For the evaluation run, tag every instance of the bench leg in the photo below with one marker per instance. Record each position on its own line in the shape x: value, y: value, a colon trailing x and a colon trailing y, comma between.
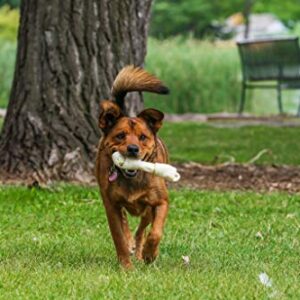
x: 279, y: 99
x: 242, y: 101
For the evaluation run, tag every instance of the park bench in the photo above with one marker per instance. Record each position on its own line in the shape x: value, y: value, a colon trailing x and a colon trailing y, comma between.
x: 270, y: 63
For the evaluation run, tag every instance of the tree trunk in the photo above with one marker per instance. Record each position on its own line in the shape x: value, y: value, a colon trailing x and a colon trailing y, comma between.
x: 248, y: 4
x: 68, y: 55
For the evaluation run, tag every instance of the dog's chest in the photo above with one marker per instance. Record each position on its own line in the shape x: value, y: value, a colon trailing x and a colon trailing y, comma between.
x: 129, y: 194
x: 135, y: 201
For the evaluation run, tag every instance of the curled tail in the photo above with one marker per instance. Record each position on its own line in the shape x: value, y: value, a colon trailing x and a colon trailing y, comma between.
x: 132, y: 79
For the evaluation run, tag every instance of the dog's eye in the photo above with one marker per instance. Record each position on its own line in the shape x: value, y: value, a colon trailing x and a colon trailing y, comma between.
x: 120, y: 136
x: 142, y: 137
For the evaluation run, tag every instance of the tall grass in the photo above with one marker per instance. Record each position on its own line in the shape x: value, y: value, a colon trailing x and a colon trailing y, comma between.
x: 202, y: 76
x: 7, y: 62
x: 205, y: 77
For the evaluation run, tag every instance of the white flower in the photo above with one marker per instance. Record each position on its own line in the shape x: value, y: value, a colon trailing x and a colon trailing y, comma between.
x: 265, y: 280
x: 259, y: 235
x: 186, y: 259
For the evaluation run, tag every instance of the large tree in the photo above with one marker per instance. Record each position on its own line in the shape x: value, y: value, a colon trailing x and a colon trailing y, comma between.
x: 68, y: 55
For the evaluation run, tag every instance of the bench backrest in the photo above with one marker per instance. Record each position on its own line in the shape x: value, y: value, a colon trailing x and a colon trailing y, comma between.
x: 270, y: 59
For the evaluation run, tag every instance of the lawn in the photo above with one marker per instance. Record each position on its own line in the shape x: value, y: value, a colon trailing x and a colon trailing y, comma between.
x: 55, y: 244
x: 203, y: 143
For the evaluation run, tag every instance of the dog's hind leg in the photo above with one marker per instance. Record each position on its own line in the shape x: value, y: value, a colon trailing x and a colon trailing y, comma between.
x: 150, y: 250
x: 140, y: 233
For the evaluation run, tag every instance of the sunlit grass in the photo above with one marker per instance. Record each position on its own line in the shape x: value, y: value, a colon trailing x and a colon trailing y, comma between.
x: 203, y: 143
x: 56, y: 244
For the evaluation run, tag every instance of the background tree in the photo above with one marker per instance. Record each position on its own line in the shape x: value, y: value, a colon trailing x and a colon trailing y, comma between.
x: 68, y: 55
x: 174, y: 17
x: 246, y: 13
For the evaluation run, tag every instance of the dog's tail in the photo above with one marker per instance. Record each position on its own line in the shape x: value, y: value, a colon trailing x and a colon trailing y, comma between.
x: 132, y: 79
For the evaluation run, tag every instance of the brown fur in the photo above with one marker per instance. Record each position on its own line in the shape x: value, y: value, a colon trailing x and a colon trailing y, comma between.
x: 144, y: 195
x: 132, y: 79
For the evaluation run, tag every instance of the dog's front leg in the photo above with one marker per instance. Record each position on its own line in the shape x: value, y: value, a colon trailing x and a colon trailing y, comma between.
x: 114, y: 216
x: 127, y: 233
x: 139, y: 235
x: 150, y: 250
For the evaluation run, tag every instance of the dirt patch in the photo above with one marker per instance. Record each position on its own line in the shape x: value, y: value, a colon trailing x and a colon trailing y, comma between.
x: 239, y: 177
x: 219, y: 177
x: 235, y: 120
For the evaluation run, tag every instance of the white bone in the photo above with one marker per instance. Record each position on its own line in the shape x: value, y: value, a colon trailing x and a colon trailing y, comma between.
x: 163, y: 170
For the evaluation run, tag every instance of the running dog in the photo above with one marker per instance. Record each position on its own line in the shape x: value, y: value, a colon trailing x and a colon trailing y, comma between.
x: 139, y: 193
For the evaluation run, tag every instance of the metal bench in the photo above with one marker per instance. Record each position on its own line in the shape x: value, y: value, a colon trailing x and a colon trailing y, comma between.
x: 264, y: 60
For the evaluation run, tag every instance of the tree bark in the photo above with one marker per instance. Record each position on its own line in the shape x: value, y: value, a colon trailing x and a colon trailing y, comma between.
x: 68, y: 55
x: 248, y: 4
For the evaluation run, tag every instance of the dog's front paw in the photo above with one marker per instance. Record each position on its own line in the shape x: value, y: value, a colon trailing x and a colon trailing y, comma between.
x: 150, y: 257
x: 150, y: 251
x: 125, y: 263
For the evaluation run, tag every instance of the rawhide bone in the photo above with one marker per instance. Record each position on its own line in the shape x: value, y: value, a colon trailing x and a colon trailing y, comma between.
x: 163, y: 170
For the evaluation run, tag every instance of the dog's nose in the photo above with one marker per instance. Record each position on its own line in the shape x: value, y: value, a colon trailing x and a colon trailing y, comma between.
x: 133, y: 149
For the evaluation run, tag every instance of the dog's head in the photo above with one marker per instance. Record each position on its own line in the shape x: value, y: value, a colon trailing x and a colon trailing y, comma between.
x: 132, y: 137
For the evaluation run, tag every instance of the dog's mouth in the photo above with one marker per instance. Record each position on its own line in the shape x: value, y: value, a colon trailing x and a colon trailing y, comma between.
x: 129, y: 173
x: 115, y: 172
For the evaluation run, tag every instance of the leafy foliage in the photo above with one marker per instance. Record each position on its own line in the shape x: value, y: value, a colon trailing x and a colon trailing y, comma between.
x: 11, y: 3
x: 9, y: 23
x: 174, y: 17
x: 288, y: 10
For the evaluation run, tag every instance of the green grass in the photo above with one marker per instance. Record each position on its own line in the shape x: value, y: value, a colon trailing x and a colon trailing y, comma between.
x: 202, y: 77
x: 7, y: 61
x: 56, y: 245
x: 202, y: 143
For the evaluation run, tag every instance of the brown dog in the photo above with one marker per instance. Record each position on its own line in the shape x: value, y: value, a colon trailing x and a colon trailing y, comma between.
x: 139, y: 193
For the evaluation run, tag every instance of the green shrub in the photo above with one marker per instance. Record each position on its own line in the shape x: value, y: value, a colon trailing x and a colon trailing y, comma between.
x: 9, y: 23
x: 194, y: 17
x: 201, y: 17
x: 203, y: 77
x: 296, y: 29
x: 11, y: 3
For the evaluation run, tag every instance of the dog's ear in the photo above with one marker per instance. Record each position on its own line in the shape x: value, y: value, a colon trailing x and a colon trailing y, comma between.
x: 153, y: 118
x: 110, y: 112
